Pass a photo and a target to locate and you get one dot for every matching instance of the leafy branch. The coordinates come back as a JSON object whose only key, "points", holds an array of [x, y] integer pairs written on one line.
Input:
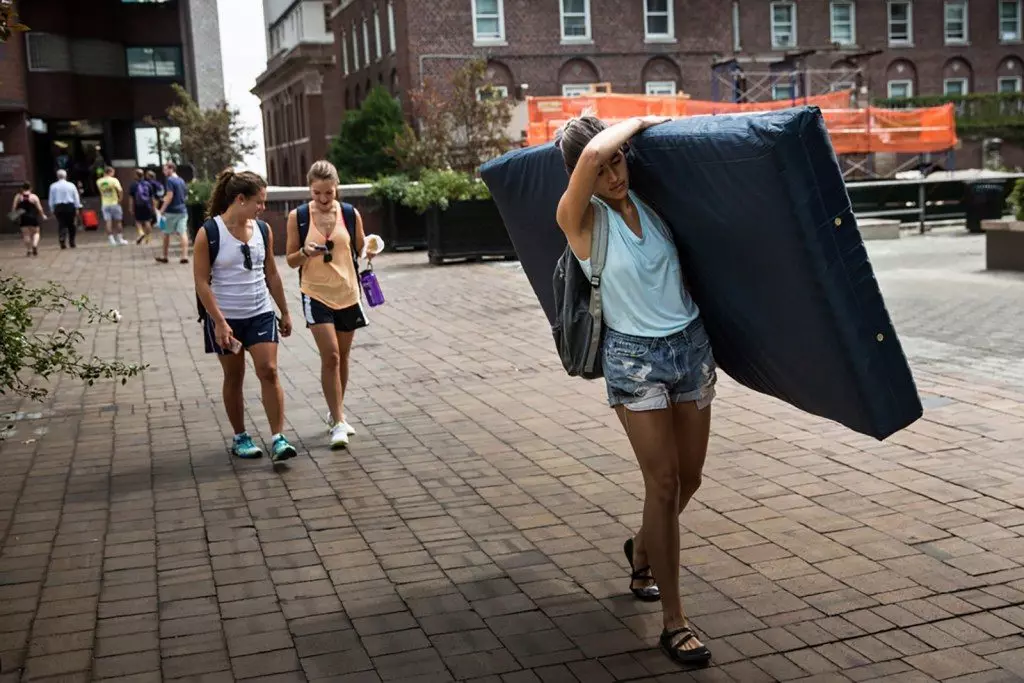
{"points": [[46, 354]]}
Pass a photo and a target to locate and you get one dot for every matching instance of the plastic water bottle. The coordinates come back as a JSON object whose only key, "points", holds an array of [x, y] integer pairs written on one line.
{"points": [[371, 287]]}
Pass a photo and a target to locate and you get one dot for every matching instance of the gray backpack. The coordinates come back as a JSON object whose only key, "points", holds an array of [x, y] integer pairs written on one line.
{"points": [[578, 328]]}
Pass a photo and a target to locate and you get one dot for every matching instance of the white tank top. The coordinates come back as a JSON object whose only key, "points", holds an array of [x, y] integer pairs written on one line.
{"points": [[241, 293]]}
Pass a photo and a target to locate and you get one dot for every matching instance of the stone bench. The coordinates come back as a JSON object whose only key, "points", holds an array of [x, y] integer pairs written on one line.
{"points": [[1004, 244], [878, 229]]}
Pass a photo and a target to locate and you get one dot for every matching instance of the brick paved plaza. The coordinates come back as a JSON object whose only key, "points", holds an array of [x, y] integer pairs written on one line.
{"points": [[474, 529]]}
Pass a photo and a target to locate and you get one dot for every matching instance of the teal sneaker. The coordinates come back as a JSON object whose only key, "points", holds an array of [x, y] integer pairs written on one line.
{"points": [[282, 450], [243, 447]]}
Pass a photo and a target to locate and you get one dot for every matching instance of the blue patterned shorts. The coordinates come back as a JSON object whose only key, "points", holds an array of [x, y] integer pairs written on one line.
{"points": [[645, 373]]}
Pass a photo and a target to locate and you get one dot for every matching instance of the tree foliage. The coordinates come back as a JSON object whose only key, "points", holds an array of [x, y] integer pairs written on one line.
{"points": [[9, 20], [458, 127], [361, 148], [26, 353], [211, 139]]}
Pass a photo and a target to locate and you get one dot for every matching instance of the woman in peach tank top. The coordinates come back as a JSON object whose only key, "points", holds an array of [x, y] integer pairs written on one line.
{"points": [[330, 288]]}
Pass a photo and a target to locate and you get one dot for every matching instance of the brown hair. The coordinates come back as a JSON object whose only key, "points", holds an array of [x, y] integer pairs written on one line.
{"points": [[26, 186], [230, 185], [322, 170], [140, 174], [574, 136]]}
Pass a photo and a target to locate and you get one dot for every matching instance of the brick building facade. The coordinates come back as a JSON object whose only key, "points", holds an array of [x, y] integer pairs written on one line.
{"points": [[299, 89], [81, 86], [560, 47]]}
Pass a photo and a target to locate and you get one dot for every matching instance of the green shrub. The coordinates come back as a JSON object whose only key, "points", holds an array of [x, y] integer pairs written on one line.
{"points": [[200, 191], [1016, 199], [440, 188], [361, 149], [392, 188]]}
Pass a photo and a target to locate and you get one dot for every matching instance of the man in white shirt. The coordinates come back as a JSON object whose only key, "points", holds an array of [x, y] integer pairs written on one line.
{"points": [[65, 203]]}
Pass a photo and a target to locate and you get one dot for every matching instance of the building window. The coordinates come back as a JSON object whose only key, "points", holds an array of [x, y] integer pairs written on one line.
{"points": [[154, 62], [783, 24], [1009, 20], [344, 53], [575, 20], [900, 89], [956, 22], [376, 35], [784, 90], [488, 21], [954, 87], [658, 21], [1009, 84], [840, 86], [366, 42], [152, 145], [660, 87], [901, 22], [843, 16], [47, 52], [355, 49], [492, 92], [391, 28], [575, 89]]}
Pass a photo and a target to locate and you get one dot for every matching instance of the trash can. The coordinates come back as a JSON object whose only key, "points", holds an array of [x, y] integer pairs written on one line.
{"points": [[983, 201]]}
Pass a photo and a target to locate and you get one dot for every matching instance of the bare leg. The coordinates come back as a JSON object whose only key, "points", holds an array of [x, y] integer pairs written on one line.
{"points": [[35, 237], [26, 237], [344, 351], [183, 240], [234, 402], [166, 247], [264, 357], [652, 435], [118, 230], [330, 368]]}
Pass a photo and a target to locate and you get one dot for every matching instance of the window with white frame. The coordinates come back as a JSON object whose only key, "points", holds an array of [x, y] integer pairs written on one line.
{"points": [[355, 48], [575, 89], [575, 15], [488, 21], [344, 53], [843, 19], [900, 89], [391, 27], [783, 24], [660, 87], [1009, 20], [901, 22], [1009, 84], [658, 21], [376, 34], [954, 86], [783, 90], [955, 22], [492, 92], [366, 41]]}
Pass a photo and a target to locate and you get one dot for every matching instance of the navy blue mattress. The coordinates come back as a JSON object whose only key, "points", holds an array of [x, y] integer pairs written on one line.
{"points": [[770, 249]]}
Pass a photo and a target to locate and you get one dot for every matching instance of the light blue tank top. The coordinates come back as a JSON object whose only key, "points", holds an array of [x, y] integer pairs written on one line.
{"points": [[642, 291]]}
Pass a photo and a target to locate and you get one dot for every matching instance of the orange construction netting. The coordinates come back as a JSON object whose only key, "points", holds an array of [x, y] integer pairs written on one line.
{"points": [[853, 131]]}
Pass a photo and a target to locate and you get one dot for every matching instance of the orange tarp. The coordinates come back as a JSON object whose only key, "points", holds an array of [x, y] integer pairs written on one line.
{"points": [[853, 131]]}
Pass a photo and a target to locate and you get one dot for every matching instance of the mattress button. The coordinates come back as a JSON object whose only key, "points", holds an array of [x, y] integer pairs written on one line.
{"points": [[880, 336], [839, 221]]}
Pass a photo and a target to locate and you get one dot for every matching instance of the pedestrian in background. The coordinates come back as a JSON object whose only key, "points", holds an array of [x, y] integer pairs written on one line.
{"points": [[30, 215], [111, 194], [65, 204], [175, 213]]}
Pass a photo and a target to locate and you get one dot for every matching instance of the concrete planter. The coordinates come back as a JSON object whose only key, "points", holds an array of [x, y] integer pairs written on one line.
{"points": [[1004, 244]]}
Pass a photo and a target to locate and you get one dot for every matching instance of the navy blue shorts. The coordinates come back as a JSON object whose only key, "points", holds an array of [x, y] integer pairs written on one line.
{"points": [[644, 373], [260, 329], [344, 319]]}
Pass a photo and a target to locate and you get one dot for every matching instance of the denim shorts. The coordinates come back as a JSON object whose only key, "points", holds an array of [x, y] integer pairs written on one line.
{"points": [[651, 373]]}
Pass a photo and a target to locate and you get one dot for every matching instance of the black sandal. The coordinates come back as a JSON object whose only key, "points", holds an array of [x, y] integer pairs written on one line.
{"points": [[649, 592], [698, 656]]}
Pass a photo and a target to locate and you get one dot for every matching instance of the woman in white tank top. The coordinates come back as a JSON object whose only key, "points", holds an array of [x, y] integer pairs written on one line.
{"points": [[236, 277], [656, 356]]}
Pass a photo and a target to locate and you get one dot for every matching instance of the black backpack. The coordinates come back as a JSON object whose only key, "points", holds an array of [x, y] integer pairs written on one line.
{"points": [[579, 327], [213, 238], [348, 215]]}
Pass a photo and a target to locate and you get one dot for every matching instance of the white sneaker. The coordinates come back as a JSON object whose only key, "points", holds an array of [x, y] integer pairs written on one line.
{"points": [[328, 420], [113, 242], [339, 437], [349, 429], [122, 241]]}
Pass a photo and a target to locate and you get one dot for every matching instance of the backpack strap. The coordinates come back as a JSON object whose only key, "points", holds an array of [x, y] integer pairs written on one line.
{"points": [[213, 238], [598, 252], [348, 214], [265, 234], [302, 216]]}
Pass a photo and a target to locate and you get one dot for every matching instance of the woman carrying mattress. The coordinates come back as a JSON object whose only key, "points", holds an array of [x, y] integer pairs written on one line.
{"points": [[656, 356]]}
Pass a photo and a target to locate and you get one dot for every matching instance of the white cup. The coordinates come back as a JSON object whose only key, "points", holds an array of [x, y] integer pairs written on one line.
{"points": [[374, 244]]}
